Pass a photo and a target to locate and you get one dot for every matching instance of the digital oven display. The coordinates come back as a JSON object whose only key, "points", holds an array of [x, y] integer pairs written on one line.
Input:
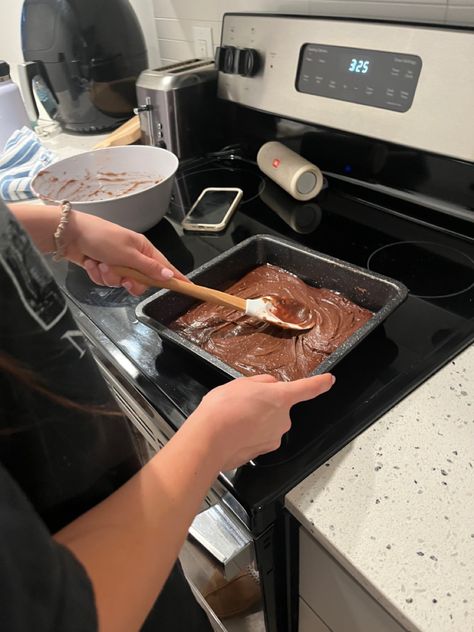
{"points": [[370, 77]]}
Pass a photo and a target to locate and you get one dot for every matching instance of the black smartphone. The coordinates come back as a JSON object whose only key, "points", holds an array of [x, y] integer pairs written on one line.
{"points": [[213, 209]]}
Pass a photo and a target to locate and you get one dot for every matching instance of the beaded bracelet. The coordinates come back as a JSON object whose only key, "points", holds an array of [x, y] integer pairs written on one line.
{"points": [[63, 220]]}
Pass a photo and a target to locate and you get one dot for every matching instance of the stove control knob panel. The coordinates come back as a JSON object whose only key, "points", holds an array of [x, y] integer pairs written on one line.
{"points": [[237, 61]]}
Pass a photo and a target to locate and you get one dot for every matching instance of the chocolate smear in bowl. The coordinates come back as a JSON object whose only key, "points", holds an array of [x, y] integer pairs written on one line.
{"points": [[103, 185]]}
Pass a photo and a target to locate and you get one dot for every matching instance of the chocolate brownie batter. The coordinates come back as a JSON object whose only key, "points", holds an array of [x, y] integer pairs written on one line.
{"points": [[254, 347]]}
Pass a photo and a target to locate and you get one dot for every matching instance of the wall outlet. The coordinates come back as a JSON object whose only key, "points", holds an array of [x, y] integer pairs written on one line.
{"points": [[203, 44]]}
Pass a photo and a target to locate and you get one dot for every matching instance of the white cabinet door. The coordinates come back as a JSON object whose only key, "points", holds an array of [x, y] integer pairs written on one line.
{"points": [[335, 596], [308, 621]]}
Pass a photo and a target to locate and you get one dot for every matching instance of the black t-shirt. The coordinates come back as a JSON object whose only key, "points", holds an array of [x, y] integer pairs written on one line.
{"points": [[55, 461], [43, 588], [65, 459]]}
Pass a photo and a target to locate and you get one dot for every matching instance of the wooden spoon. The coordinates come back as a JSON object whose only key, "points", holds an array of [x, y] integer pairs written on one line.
{"points": [[286, 313]]}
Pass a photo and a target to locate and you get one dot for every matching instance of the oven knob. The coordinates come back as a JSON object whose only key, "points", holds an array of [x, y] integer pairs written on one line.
{"points": [[229, 59], [220, 56], [225, 58], [249, 62]]}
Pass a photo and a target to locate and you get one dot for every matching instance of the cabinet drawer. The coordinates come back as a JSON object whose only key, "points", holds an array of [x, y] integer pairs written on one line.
{"points": [[308, 621], [335, 596]]}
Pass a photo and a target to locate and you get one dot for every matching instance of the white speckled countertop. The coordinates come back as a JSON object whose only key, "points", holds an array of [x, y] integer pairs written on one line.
{"points": [[396, 506], [65, 145]]}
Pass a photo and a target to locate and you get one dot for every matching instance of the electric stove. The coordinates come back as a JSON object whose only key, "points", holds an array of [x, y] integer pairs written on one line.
{"points": [[434, 324]]}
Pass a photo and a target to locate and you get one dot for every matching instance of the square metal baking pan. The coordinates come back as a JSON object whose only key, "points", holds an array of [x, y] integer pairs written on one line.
{"points": [[368, 289]]}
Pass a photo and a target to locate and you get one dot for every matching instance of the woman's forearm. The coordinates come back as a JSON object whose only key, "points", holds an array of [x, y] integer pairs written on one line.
{"points": [[129, 542], [40, 221]]}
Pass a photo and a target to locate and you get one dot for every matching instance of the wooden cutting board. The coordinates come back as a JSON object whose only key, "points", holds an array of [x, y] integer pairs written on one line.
{"points": [[128, 133]]}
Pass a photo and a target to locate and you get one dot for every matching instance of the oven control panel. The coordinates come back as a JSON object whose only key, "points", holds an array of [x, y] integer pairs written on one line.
{"points": [[406, 84], [370, 77]]}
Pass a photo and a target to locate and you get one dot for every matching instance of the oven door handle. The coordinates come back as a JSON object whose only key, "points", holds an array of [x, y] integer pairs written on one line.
{"points": [[229, 544]]}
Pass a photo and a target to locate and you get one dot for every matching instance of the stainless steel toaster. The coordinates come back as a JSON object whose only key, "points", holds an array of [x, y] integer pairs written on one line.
{"points": [[177, 106]]}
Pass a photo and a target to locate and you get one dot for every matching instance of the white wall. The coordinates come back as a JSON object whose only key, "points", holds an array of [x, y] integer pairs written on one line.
{"points": [[175, 19], [144, 11]]}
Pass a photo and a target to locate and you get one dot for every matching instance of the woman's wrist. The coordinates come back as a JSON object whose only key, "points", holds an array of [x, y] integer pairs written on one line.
{"points": [[40, 221], [58, 236], [50, 217], [70, 235], [201, 429]]}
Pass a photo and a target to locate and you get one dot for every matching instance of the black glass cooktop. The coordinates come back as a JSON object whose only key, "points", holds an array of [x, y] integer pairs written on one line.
{"points": [[424, 333]]}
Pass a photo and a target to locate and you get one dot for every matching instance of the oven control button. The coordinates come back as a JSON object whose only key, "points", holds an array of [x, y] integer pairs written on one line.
{"points": [[249, 62], [225, 59], [229, 59], [220, 56]]}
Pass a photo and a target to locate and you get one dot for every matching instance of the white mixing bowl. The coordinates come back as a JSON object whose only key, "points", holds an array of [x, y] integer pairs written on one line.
{"points": [[128, 185]]}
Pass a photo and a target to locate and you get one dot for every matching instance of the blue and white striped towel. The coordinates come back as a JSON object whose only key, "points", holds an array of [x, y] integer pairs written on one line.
{"points": [[22, 158]]}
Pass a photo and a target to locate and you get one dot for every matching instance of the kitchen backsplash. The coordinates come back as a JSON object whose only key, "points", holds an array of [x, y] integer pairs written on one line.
{"points": [[187, 29]]}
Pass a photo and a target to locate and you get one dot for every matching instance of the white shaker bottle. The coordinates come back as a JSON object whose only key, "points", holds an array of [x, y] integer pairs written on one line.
{"points": [[12, 109], [296, 175]]}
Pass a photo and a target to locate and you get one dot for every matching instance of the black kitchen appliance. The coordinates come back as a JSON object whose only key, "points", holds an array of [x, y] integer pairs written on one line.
{"points": [[83, 58], [398, 202]]}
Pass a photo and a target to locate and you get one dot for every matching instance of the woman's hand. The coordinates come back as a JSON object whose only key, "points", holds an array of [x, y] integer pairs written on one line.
{"points": [[96, 244], [249, 415]]}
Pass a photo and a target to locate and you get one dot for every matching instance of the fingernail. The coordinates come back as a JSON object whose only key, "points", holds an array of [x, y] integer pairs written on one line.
{"points": [[333, 378], [127, 285], [166, 273], [103, 267]]}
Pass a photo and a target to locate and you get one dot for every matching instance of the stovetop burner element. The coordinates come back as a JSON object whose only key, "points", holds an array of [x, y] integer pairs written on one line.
{"points": [[429, 270]]}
